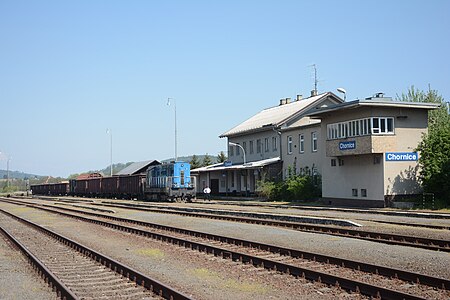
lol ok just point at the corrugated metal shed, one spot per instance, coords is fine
(250, 165)
(277, 116)
(138, 167)
(88, 176)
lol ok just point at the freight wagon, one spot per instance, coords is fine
(168, 181)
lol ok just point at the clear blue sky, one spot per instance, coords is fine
(71, 69)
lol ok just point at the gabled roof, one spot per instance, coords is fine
(278, 115)
(138, 167)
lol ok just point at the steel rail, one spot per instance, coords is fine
(61, 289)
(316, 276)
(151, 284)
(393, 239)
(352, 264)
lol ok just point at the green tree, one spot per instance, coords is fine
(436, 117)
(221, 157)
(206, 160)
(434, 148)
(195, 163)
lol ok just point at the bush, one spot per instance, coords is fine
(295, 187)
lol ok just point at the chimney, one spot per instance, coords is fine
(299, 97)
(282, 101)
(288, 100)
(313, 93)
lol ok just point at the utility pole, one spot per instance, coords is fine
(7, 170)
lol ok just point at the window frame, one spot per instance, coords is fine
(274, 144)
(314, 142)
(301, 142)
(266, 144)
(289, 144)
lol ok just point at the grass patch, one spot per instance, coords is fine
(242, 286)
(150, 252)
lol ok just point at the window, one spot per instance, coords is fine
(258, 146)
(355, 192)
(289, 144)
(375, 125)
(314, 141)
(232, 179)
(244, 146)
(274, 143)
(390, 125)
(333, 162)
(266, 144)
(383, 125)
(363, 193)
(231, 150)
(376, 160)
(341, 162)
(238, 150)
(251, 147)
(301, 138)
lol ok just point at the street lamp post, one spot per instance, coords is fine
(175, 109)
(343, 91)
(109, 131)
(243, 150)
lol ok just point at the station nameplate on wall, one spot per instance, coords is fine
(349, 145)
(402, 156)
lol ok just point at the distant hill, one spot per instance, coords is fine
(106, 171)
(18, 175)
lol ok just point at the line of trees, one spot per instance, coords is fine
(207, 160)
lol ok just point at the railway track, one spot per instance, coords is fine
(77, 272)
(371, 280)
(392, 239)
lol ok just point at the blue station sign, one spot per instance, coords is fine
(227, 163)
(349, 145)
(402, 156)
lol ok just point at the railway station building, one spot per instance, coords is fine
(363, 149)
(261, 142)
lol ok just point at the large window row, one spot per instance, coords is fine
(360, 127)
(261, 146)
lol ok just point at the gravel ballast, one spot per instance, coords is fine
(193, 273)
(18, 280)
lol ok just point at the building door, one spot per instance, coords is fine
(214, 186)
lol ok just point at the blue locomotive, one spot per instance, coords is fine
(170, 181)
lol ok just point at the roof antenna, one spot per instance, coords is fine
(314, 92)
